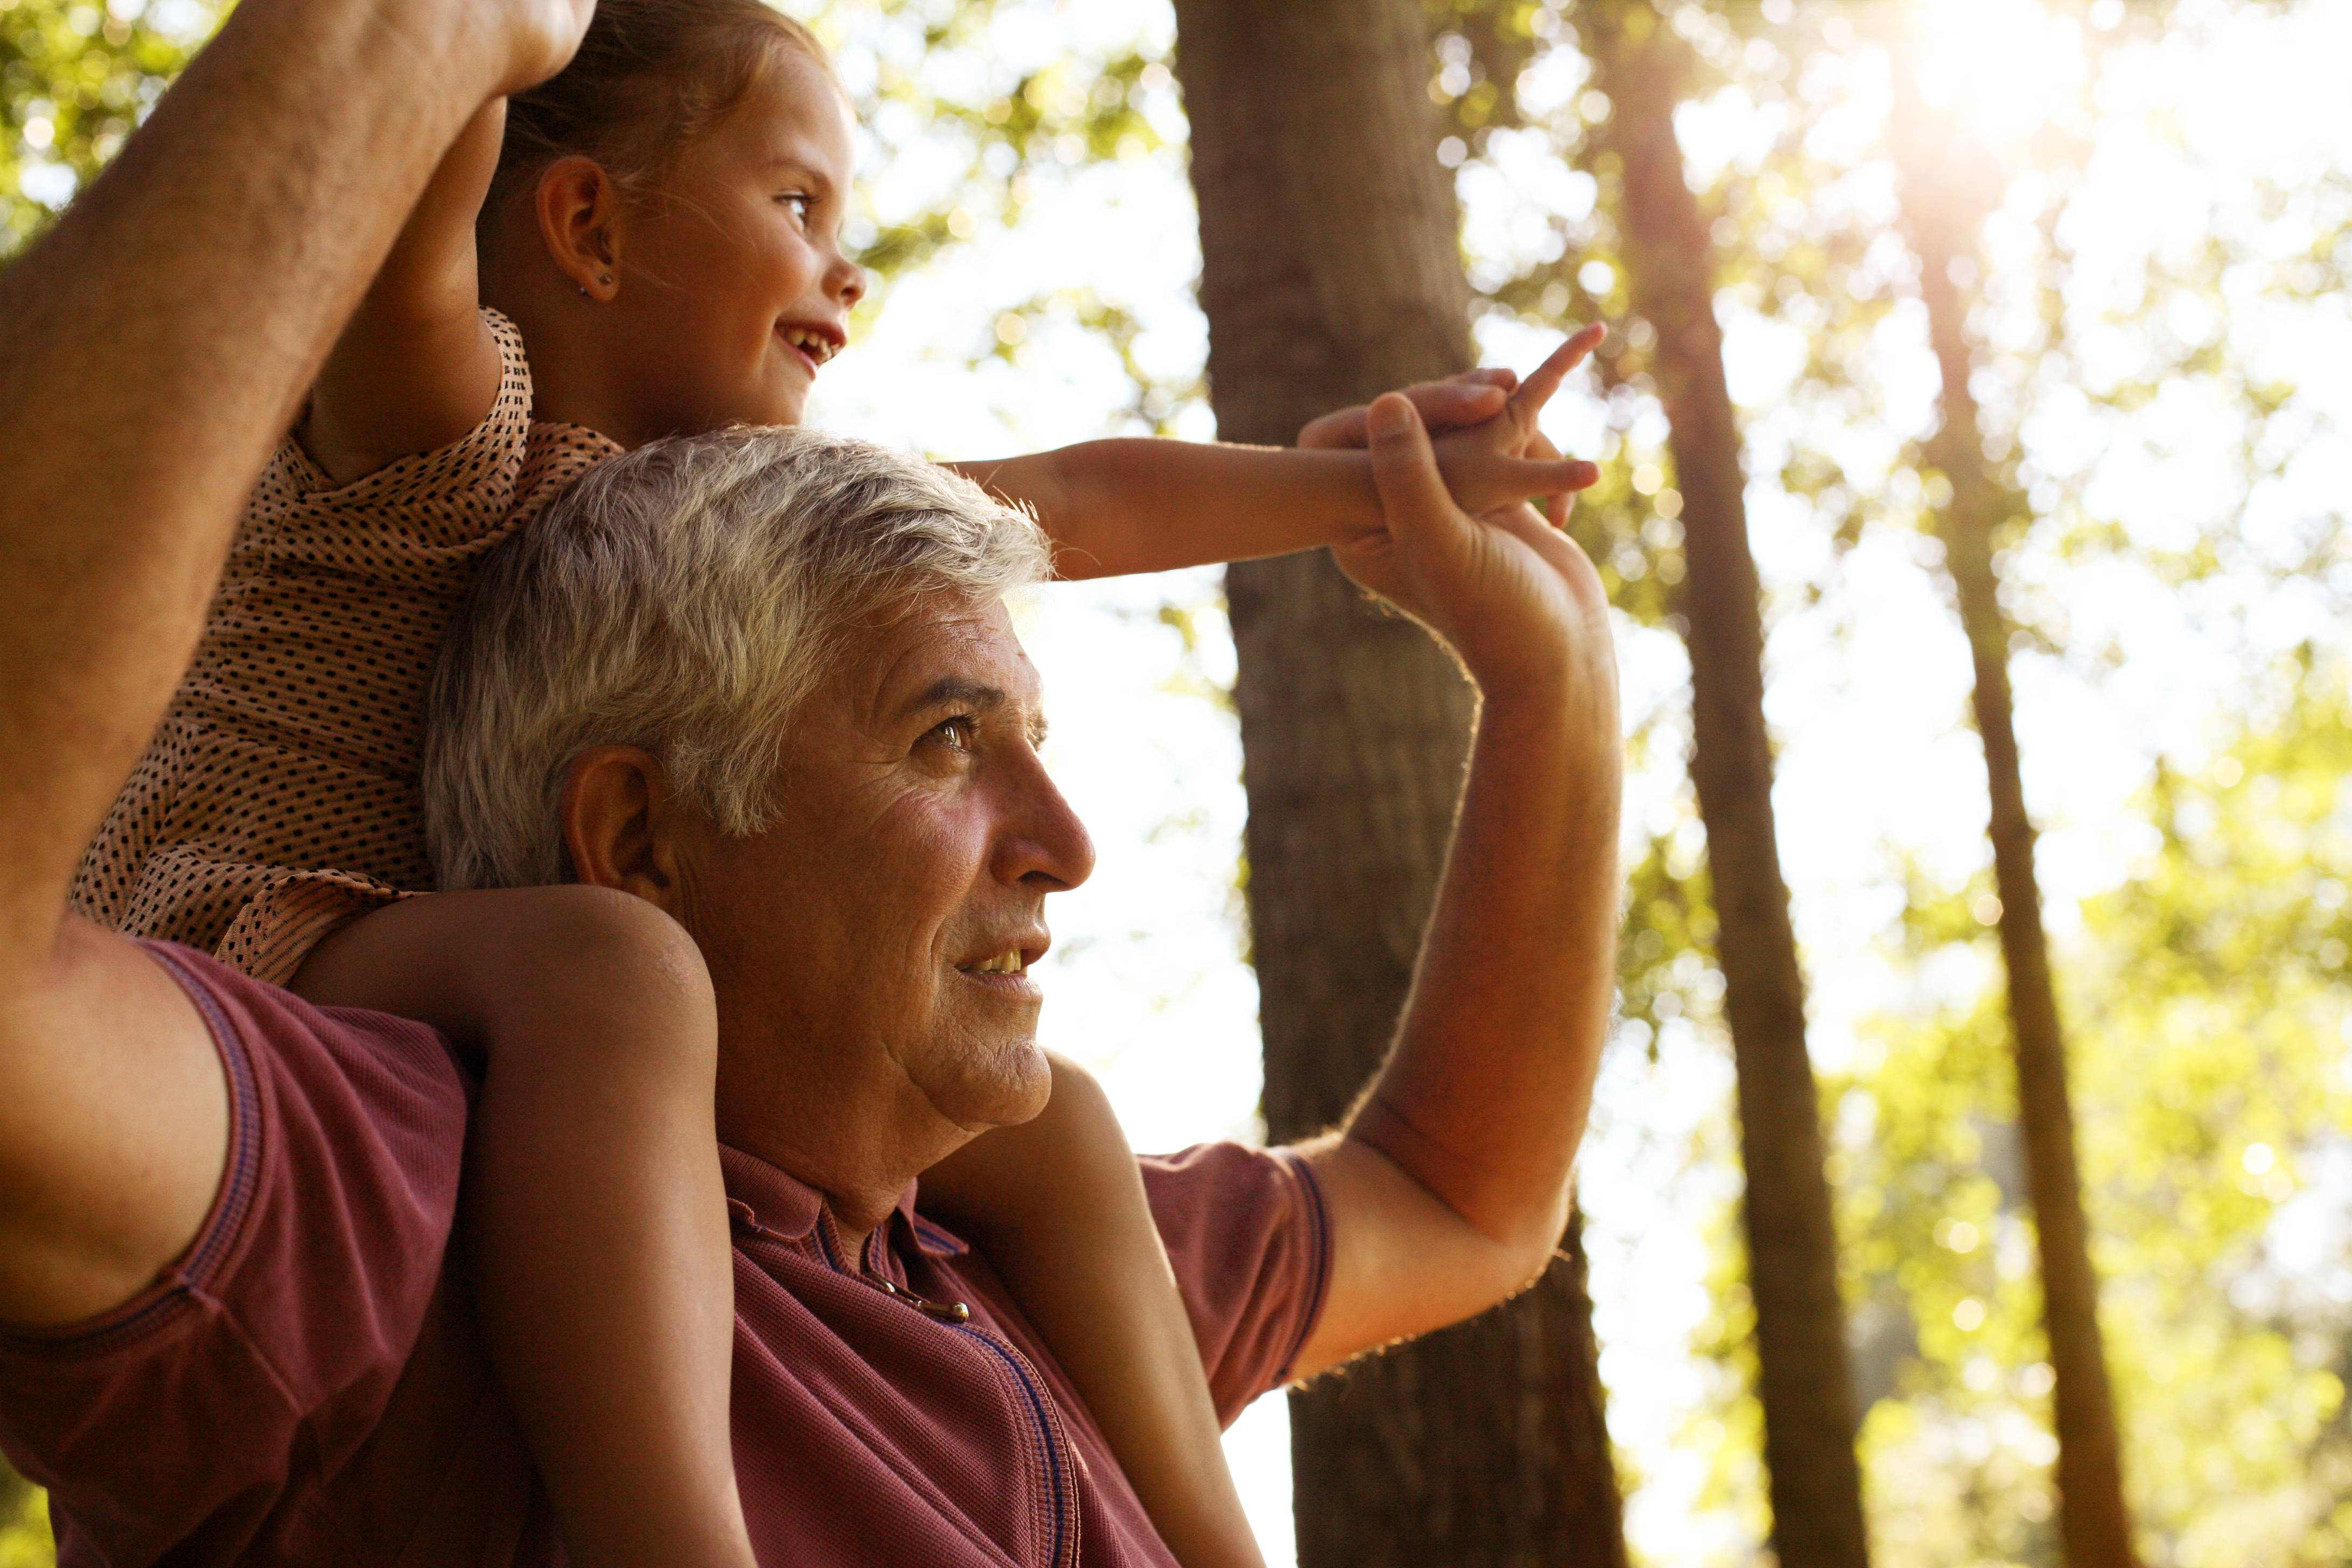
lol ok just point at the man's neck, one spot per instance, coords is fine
(854, 1221)
(857, 1167)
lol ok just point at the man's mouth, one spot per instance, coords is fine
(1007, 963)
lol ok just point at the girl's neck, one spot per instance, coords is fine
(570, 383)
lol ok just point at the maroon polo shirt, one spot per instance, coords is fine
(307, 1385)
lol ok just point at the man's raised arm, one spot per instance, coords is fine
(152, 349)
(1449, 1184)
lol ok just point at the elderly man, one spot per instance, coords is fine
(223, 1212)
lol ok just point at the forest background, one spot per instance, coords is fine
(2161, 356)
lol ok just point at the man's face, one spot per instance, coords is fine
(871, 949)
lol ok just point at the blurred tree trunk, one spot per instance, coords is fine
(1331, 272)
(1946, 193)
(1792, 1259)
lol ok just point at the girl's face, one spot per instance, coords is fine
(734, 291)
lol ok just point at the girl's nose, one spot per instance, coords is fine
(848, 282)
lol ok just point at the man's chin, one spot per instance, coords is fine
(1007, 1086)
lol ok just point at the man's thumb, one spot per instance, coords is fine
(1404, 465)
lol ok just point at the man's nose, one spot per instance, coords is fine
(1045, 844)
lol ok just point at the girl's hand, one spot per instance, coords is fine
(1492, 453)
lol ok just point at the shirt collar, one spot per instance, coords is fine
(768, 1199)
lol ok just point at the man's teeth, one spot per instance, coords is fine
(1002, 964)
(817, 346)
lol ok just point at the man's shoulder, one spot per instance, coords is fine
(262, 1360)
(388, 1092)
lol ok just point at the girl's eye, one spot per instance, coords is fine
(800, 202)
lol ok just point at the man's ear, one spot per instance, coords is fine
(579, 208)
(625, 828)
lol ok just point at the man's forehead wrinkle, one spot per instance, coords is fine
(875, 697)
(935, 663)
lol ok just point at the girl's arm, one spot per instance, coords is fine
(595, 1212)
(1057, 1205)
(1145, 505)
(417, 367)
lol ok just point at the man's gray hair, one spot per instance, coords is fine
(685, 598)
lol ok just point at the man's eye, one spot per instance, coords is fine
(956, 733)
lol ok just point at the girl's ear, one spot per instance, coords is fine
(579, 208)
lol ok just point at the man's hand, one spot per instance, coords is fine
(1491, 453)
(1513, 596)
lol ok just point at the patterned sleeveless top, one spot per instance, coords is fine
(279, 797)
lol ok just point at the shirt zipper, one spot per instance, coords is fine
(1053, 1443)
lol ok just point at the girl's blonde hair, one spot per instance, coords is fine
(650, 79)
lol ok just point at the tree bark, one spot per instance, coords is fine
(1946, 194)
(1331, 272)
(1804, 1382)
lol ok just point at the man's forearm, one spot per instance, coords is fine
(152, 349)
(1484, 1100)
(1448, 1186)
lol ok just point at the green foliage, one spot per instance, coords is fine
(2210, 1020)
(928, 77)
(25, 1538)
(74, 79)
(2208, 997)
(1663, 971)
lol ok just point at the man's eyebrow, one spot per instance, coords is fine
(953, 689)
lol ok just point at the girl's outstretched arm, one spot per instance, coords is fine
(1146, 505)
(1057, 1205)
(595, 1215)
(417, 367)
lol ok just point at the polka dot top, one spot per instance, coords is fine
(279, 798)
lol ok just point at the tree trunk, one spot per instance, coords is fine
(1804, 1383)
(1946, 194)
(1331, 272)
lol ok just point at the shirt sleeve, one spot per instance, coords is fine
(1249, 1236)
(184, 1420)
(407, 515)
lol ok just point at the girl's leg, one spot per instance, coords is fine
(1058, 1206)
(596, 1218)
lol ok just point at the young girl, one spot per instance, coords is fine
(660, 223)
